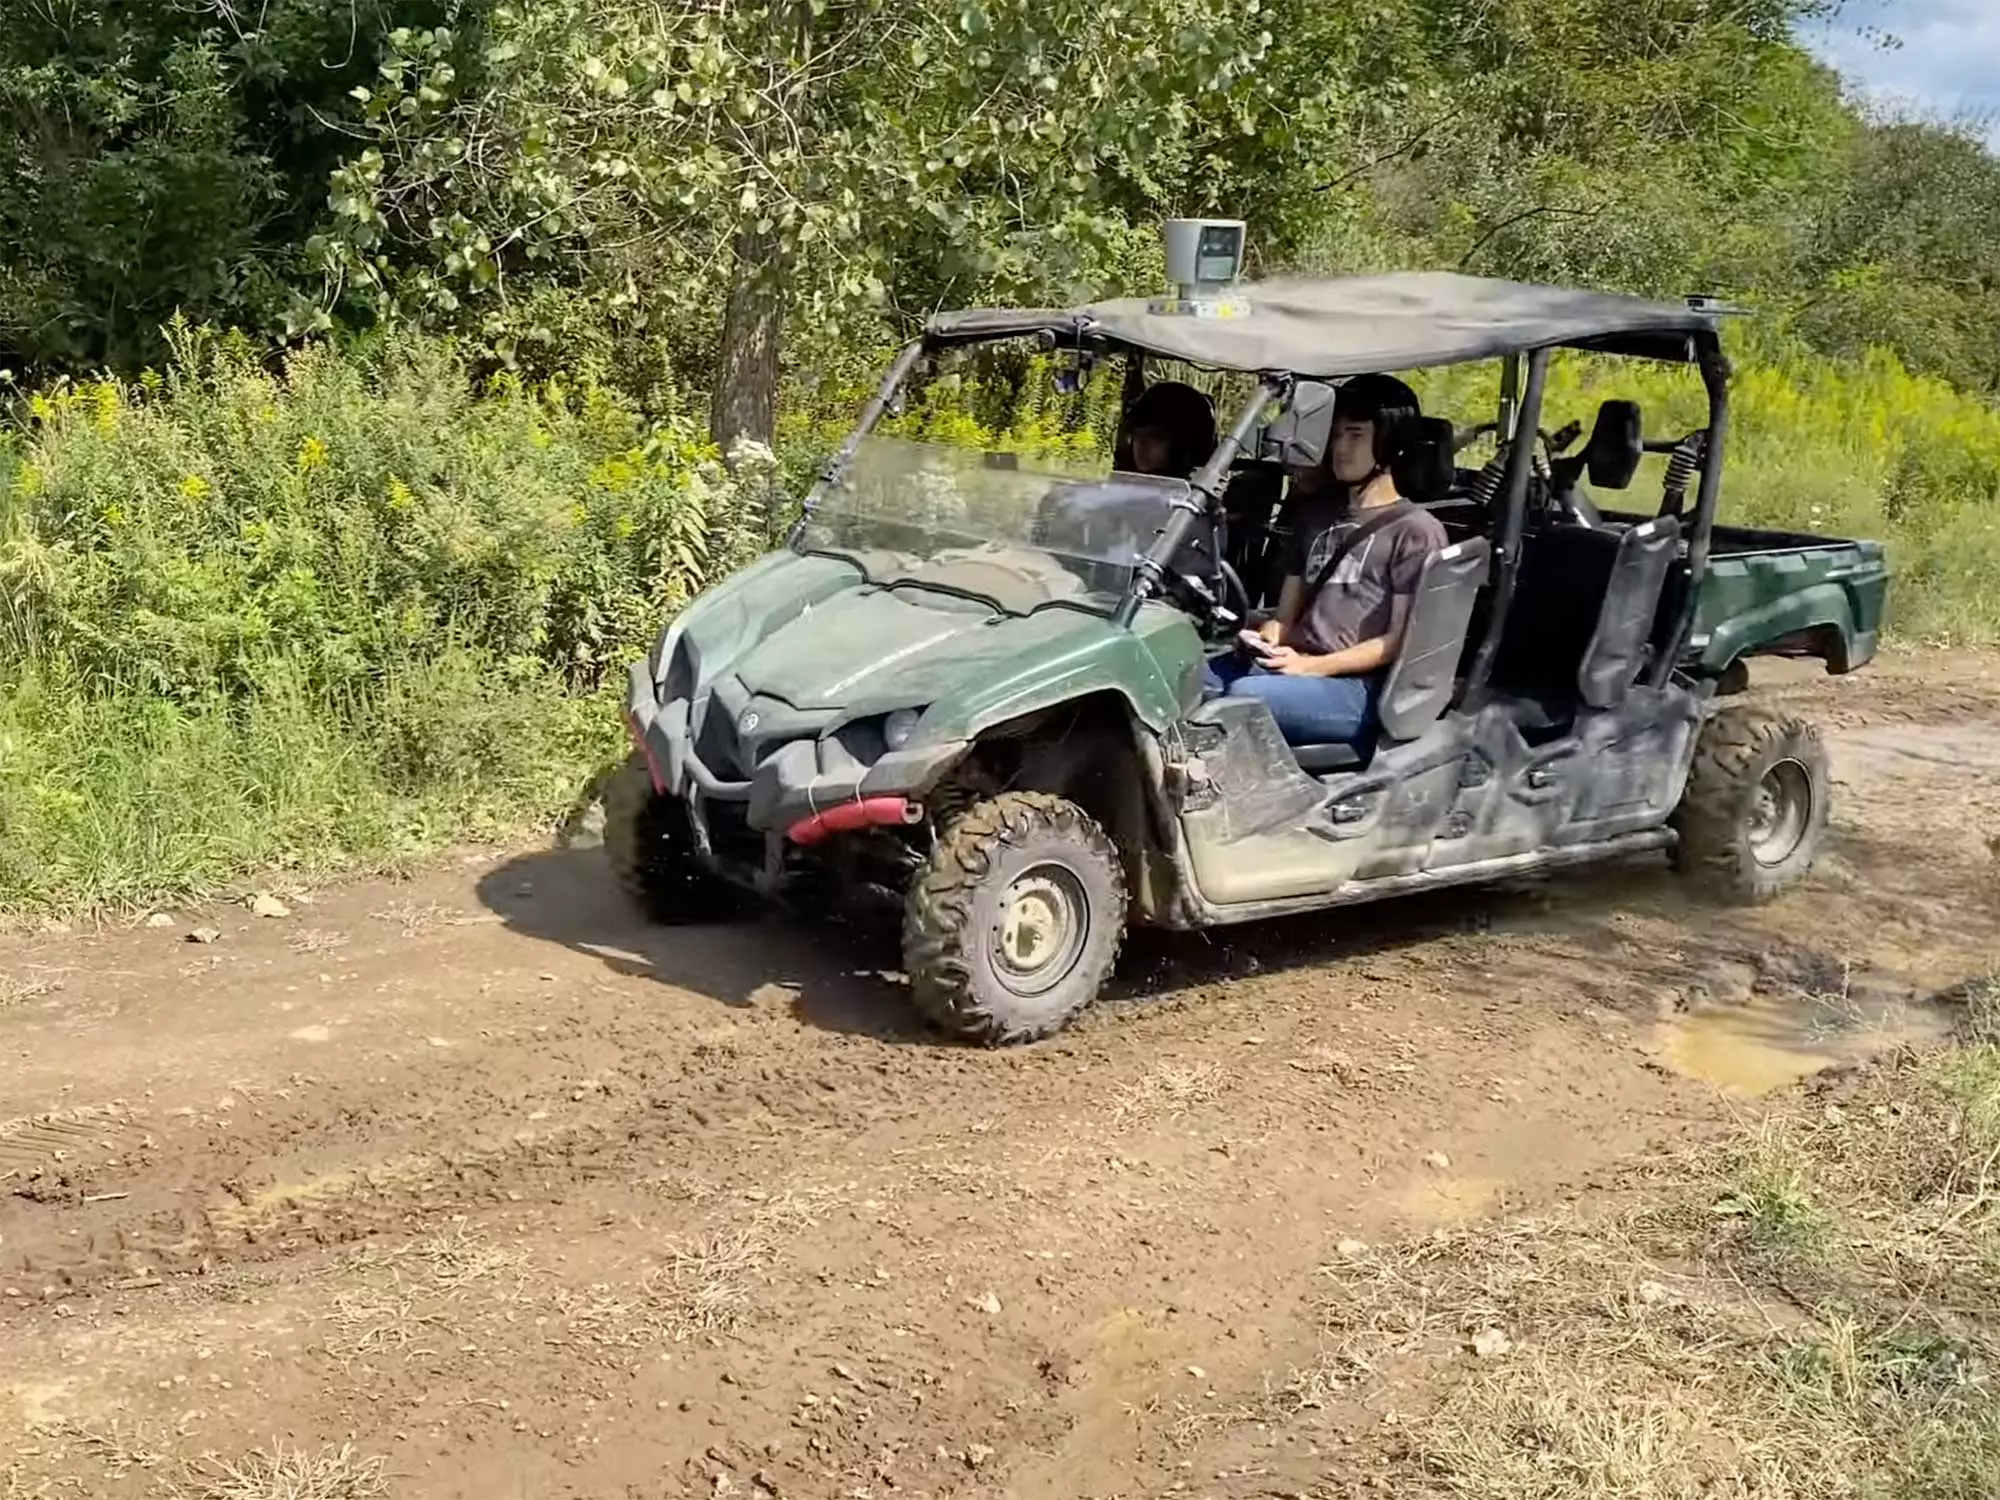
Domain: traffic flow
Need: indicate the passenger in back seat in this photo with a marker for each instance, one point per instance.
(1319, 662)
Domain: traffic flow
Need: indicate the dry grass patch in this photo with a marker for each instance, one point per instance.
(18, 989)
(1813, 1310)
(1171, 1089)
(409, 1291)
(703, 1285)
(284, 1474)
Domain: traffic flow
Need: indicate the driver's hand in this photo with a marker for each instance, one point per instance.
(1272, 630)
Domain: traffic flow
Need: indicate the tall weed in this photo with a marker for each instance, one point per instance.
(338, 609)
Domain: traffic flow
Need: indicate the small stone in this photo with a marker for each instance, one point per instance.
(987, 1303)
(204, 935)
(1652, 1293)
(267, 906)
(1198, 1372)
(1350, 1249)
(161, 919)
(1491, 1343)
(1439, 1161)
(436, 1041)
(976, 1455)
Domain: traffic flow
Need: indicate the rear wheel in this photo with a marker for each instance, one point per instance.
(650, 843)
(1755, 810)
(1013, 924)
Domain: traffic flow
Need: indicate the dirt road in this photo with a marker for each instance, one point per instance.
(515, 1198)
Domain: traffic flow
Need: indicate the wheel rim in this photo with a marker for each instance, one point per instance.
(1043, 924)
(1780, 812)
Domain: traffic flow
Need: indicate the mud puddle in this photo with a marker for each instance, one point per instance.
(1771, 1042)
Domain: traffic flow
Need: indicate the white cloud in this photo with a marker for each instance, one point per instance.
(1947, 65)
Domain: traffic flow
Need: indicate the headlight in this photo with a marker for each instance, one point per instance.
(899, 726)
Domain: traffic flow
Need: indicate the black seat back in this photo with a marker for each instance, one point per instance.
(1558, 595)
(1424, 676)
(1620, 646)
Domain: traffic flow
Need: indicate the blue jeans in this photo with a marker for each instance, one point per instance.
(1309, 710)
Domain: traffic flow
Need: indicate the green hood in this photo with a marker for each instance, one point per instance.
(867, 650)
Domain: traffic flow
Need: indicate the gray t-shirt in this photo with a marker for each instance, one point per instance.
(1358, 602)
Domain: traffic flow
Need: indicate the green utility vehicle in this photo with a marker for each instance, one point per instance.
(971, 685)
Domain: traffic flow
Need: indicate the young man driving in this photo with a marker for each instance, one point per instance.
(1318, 663)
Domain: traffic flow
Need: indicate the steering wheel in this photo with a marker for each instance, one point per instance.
(1193, 594)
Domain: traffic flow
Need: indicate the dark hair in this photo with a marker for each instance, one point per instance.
(1389, 404)
(1180, 411)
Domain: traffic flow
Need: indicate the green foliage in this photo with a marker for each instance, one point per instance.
(328, 613)
(156, 158)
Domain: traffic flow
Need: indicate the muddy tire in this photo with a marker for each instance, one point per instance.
(651, 848)
(1013, 924)
(1755, 809)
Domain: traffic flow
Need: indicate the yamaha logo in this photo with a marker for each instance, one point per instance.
(749, 722)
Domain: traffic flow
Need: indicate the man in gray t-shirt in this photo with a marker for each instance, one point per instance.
(1318, 662)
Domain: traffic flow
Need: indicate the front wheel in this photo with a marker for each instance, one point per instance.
(1755, 810)
(1013, 924)
(650, 843)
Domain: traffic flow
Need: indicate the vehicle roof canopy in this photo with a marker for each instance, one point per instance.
(1328, 328)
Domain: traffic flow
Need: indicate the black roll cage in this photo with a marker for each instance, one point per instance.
(1522, 393)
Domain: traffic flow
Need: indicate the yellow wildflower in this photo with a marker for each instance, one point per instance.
(194, 487)
(312, 455)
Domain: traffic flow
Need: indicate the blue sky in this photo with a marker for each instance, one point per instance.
(1948, 63)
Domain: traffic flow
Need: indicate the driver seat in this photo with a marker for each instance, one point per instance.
(1420, 683)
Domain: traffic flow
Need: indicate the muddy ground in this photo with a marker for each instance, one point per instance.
(513, 1197)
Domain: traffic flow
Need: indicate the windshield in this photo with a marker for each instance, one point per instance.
(994, 525)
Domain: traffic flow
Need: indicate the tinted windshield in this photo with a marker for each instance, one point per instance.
(994, 525)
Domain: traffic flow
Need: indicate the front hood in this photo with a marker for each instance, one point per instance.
(867, 650)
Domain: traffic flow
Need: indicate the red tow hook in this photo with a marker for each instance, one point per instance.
(868, 812)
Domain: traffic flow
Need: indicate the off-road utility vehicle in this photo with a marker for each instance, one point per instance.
(971, 685)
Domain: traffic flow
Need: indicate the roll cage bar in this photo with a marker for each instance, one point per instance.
(1523, 384)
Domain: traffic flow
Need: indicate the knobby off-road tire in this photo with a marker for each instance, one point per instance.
(651, 848)
(1013, 924)
(1755, 809)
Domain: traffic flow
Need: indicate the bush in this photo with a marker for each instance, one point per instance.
(334, 611)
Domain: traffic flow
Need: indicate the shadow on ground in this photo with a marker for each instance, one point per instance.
(843, 977)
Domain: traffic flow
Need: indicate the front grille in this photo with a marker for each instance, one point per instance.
(716, 744)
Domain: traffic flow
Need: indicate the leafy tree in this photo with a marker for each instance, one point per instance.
(162, 157)
(808, 157)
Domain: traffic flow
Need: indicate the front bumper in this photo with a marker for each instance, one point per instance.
(793, 775)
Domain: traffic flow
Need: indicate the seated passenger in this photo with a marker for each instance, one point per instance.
(1319, 662)
(1169, 431)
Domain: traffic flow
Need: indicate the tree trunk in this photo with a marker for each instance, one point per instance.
(745, 400)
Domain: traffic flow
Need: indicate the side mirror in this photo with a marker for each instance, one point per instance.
(1617, 443)
(1299, 437)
